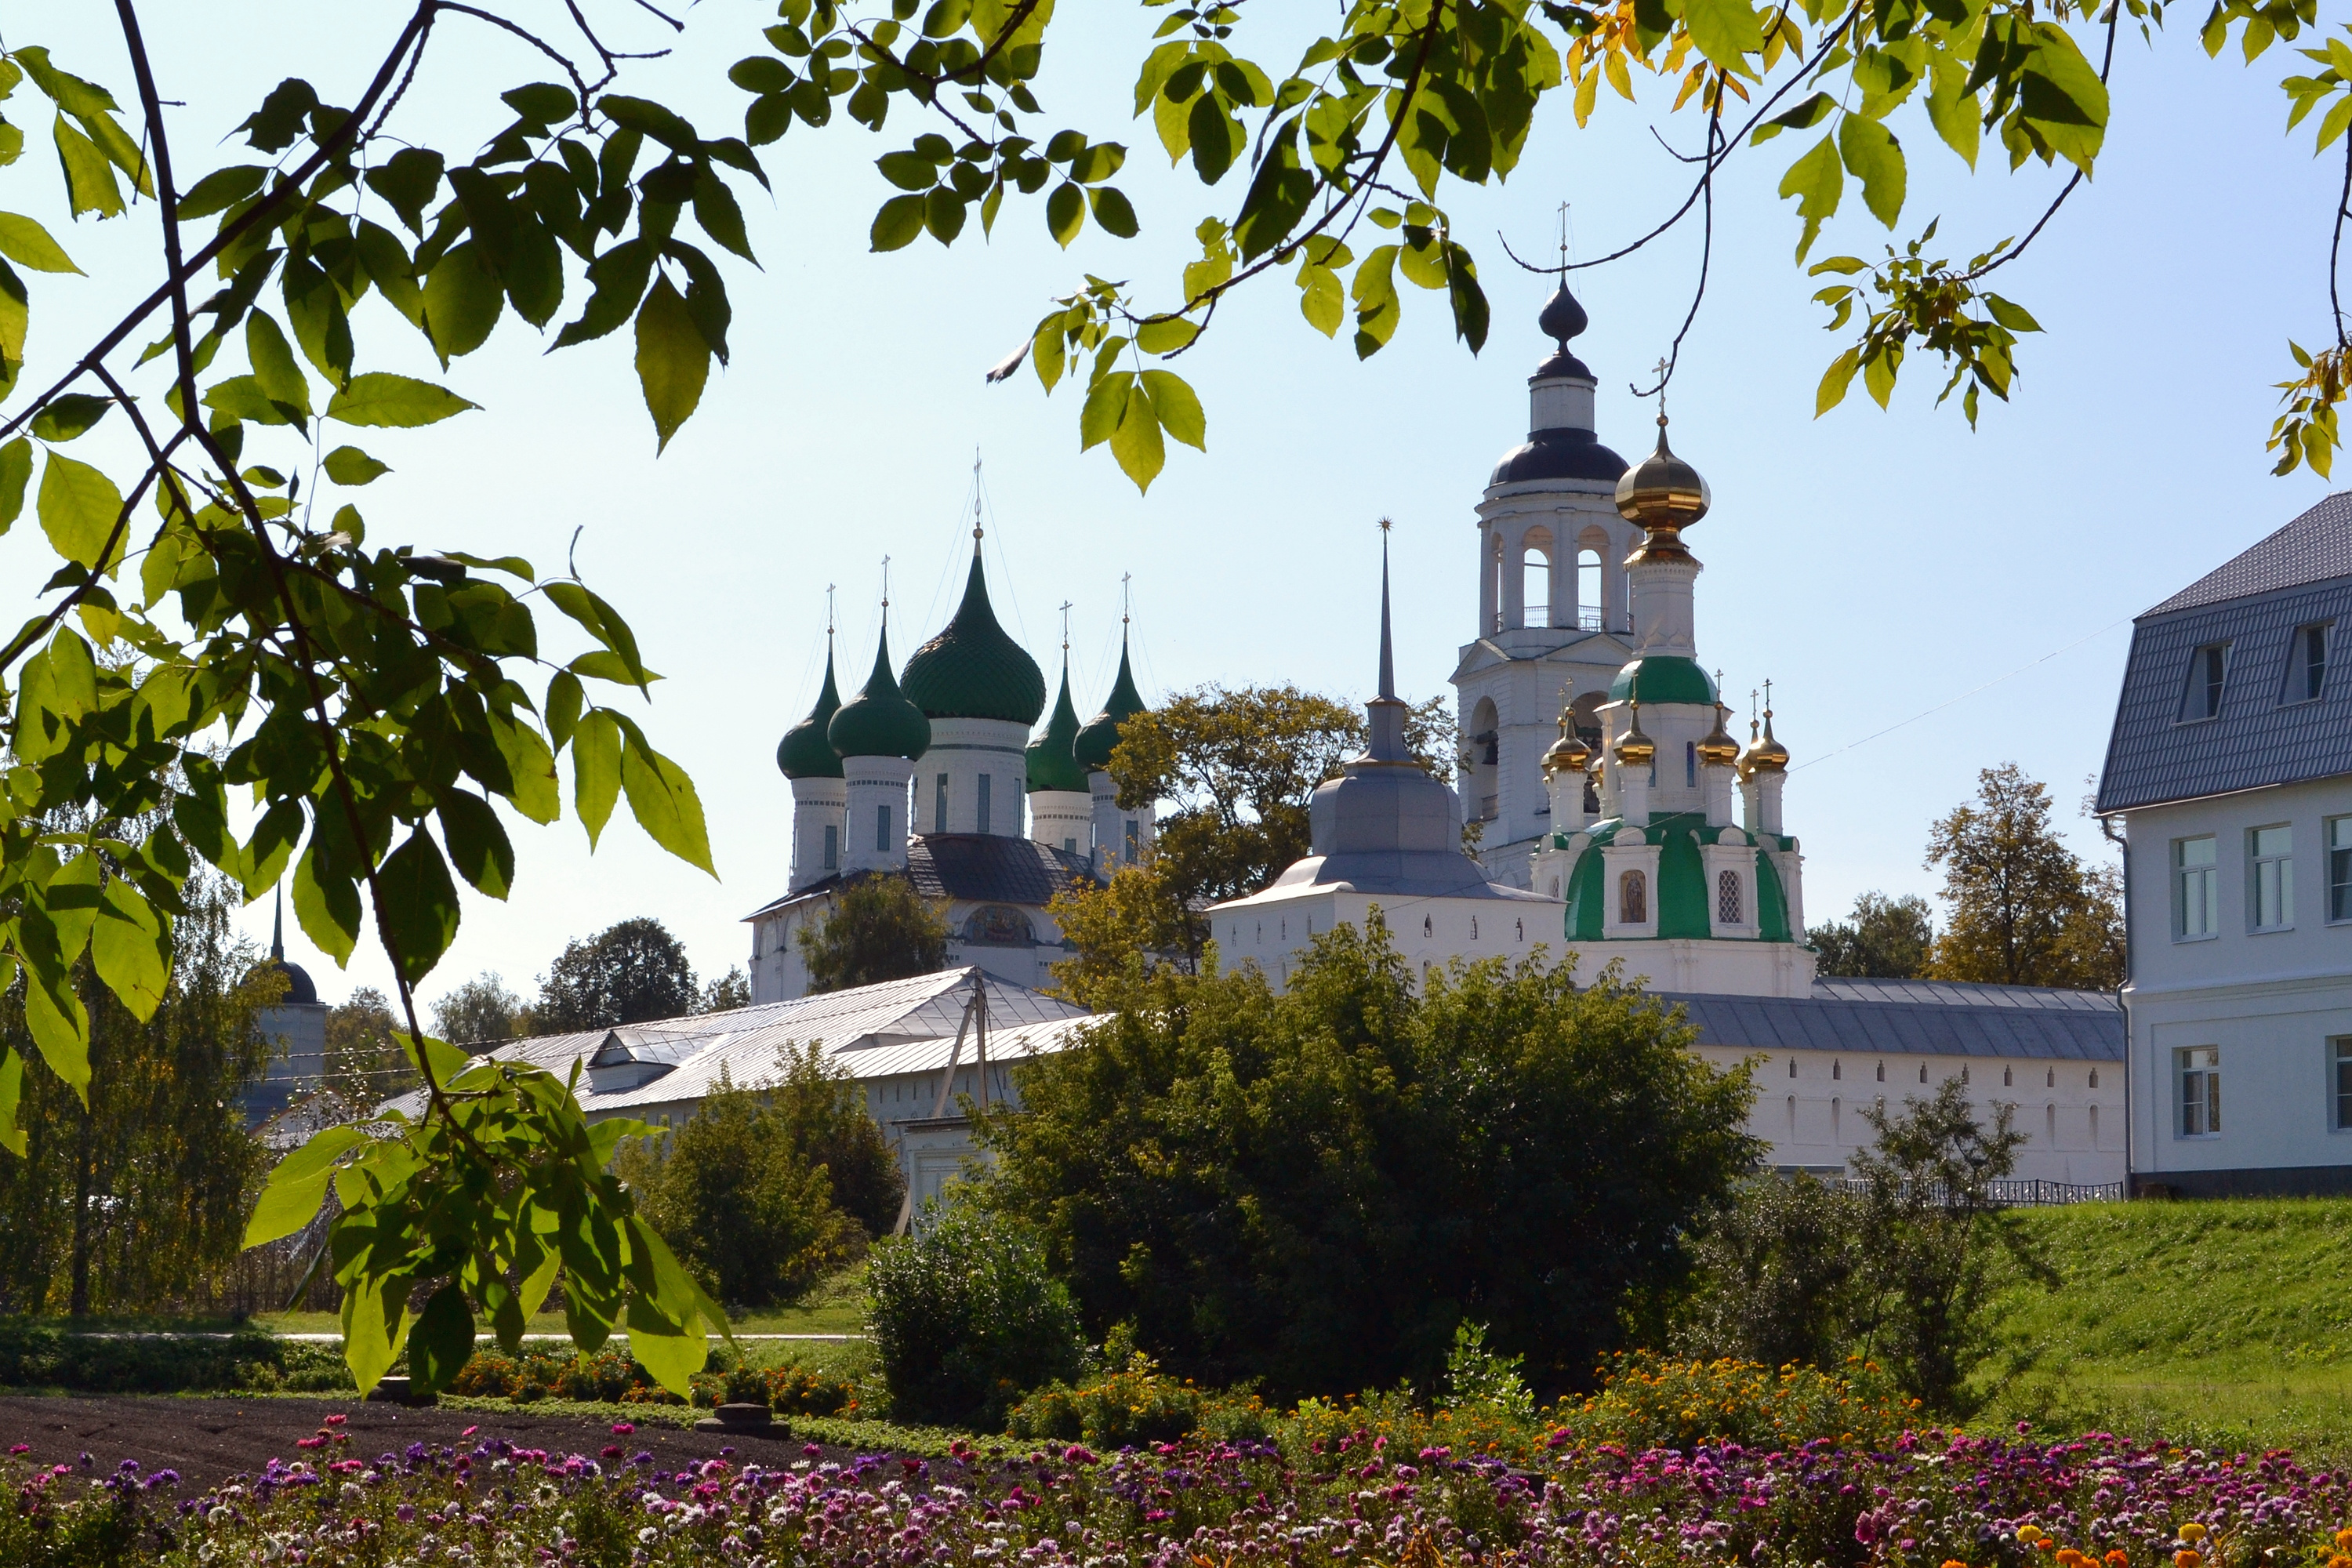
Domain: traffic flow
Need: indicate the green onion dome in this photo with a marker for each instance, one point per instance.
(1101, 733)
(1052, 756)
(1664, 677)
(973, 670)
(879, 722)
(804, 752)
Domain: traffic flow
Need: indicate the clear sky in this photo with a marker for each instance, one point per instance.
(1876, 566)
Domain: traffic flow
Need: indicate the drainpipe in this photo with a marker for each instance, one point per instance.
(2123, 844)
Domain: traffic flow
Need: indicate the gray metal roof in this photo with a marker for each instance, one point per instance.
(2298, 576)
(1916, 1017)
(2315, 546)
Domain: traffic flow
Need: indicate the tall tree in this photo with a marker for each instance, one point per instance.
(1884, 938)
(365, 1065)
(1314, 1189)
(729, 991)
(480, 1012)
(1240, 768)
(880, 929)
(822, 1113)
(628, 973)
(2021, 909)
(135, 1201)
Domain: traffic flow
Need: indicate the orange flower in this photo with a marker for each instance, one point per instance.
(2070, 1558)
(2187, 1558)
(2344, 1539)
(2118, 1559)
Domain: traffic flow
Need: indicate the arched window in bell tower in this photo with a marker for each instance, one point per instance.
(1481, 752)
(1588, 589)
(1535, 580)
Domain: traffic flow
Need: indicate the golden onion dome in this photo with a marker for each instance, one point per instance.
(1718, 748)
(1569, 754)
(1664, 495)
(1767, 755)
(1633, 748)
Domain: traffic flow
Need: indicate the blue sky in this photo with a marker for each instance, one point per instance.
(1875, 565)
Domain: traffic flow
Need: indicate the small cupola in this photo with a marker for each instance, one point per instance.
(879, 722)
(973, 670)
(1100, 736)
(804, 752)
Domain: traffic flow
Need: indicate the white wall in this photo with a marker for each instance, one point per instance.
(2270, 1000)
(778, 972)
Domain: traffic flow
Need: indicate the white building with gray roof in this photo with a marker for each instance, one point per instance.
(2230, 768)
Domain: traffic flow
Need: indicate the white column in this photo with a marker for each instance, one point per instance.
(1715, 783)
(1489, 607)
(1515, 582)
(876, 813)
(1632, 792)
(1768, 785)
(1062, 819)
(818, 804)
(1567, 802)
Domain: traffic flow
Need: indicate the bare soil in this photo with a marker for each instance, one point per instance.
(210, 1440)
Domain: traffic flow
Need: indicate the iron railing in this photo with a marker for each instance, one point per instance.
(2015, 1194)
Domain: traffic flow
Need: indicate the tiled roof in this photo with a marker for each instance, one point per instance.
(1916, 1017)
(982, 868)
(2259, 738)
(2315, 546)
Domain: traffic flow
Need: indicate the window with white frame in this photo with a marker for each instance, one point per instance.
(2196, 887)
(2198, 1069)
(2339, 868)
(2306, 665)
(831, 848)
(2207, 667)
(2269, 853)
(1633, 899)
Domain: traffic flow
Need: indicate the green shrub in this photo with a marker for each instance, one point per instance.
(1136, 1405)
(488, 1374)
(966, 1317)
(46, 1355)
(795, 1390)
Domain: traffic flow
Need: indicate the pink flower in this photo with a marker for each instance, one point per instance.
(469, 1431)
(623, 1428)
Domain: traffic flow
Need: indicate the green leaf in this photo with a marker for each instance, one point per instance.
(2061, 98)
(408, 181)
(221, 190)
(662, 800)
(1177, 407)
(463, 300)
(417, 908)
(381, 398)
(1106, 404)
(1817, 180)
(1952, 110)
(478, 842)
(2016, 318)
(1215, 136)
(531, 768)
(15, 473)
(1278, 196)
(350, 465)
(595, 770)
(1165, 336)
(1065, 214)
(299, 1185)
(542, 100)
(1804, 117)
(943, 214)
(80, 507)
(27, 244)
(1726, 31)
(314, 306)
(90, 177)
(1135, 441)
(11, 1095)
(131, 946)
(898, 223)
(1377, 306)
(63, 418)
(672, 360)
(280, 379)
(1875, 158)
(61, 1027)
(443, 1340)
(1112, 211)
(326, 906)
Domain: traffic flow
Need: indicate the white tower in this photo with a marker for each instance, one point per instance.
(1061, 807)
(878, 735)
(1554, 623)
(981, 693)
(1121, 837)
(808, 760)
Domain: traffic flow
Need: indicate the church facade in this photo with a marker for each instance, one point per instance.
(931, 775)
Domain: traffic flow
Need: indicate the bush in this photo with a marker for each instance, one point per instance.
(46, 1355)
(1657, 1402)
(1136, 1405)
(966, 1316)
(797, 1391)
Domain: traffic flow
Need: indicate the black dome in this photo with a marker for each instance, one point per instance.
(299, 989)
(1564, 454)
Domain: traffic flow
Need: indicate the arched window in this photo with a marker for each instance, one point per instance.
(1726, 899)
(1837, 1071)
(2006, 1078)
(1588, 589)
(1427, 926)
(1923, 1072)
(1535, 587)
(1835, 1133)
(2095, 1078)
(2049, 1123)
(1633, 899)
(1882, 1072)
(1792, 1066)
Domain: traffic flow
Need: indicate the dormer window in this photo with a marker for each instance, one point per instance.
(2306, 665)
(2207, 667)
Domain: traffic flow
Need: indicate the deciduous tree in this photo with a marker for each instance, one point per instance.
(1886, 939)
(880, 929)
(2021, 909)
(1314, 1189)
(480, 1012)
(628, 973)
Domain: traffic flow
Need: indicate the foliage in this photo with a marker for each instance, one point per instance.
(1886, 939)
(1476, 1376)
(821, 1113)
(729, 991)
(1314, 1189)
(479, 1012)
(1933, 1234)
(1650, 1401)
(46, 1354)
(966, 1316)
(135, 1198)
(1777, 1275)
(365, 1063)
(1240, 768)
(2024, 909)
(880, 929)
(632, 971)
(736, 1197)
(1122, 930)
(1133, 1404)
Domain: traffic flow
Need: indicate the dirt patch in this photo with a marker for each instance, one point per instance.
(209, 1440)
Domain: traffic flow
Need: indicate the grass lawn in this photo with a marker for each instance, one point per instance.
(837, 1306)
(2224, 1322)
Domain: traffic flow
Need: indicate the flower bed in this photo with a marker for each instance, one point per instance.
(1924, 1499)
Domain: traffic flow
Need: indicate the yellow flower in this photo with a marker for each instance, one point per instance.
(2192, 1530)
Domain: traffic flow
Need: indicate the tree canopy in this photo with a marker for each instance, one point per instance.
(1889, 938)
(631, 970)
(2022, 908)
(880, 929)
(1314, 1189)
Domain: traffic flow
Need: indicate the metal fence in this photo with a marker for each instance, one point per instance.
(2018, 1193)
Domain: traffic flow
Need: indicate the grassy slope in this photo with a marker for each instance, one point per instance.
(2221, 1322)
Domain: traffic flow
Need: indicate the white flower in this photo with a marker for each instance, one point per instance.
(649, 1534)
